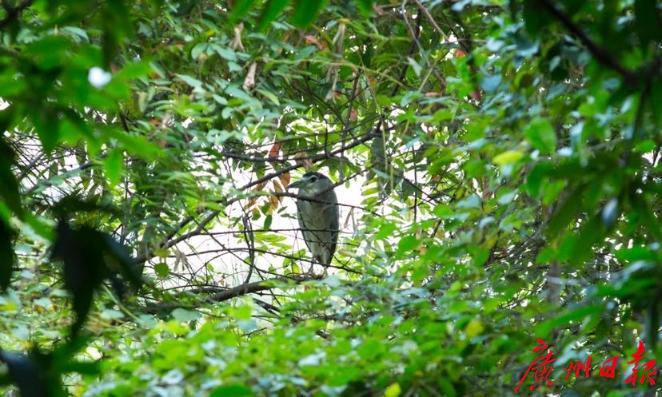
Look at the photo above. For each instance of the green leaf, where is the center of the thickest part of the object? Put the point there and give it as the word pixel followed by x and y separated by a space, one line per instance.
pixel 267 221
pixel 226 53
pixel 270 96
pixel 271 11
pixel 8 184
pixel 535 17
pixel 81 252
pixel 566 213
pixel 365 6
pixel 111 314
pixel 546 255
pixel 541 135
pixel 113 166
pixel 407 243
pixel 6 254
pixel 589 234
pixel 27 375
pixel 637 253
pixel 50 51
pixel 610 212
pixel 646 146
pixel 238 93
pixel 133 71
pixel 46 124
pixel 414 65
pixel 647 22
pixel 193 82
pixel 39 226
pixel 232 391
pixel 474 328
pixel 508 157
pixel 447 387
pixel 240 9
pixel 490 83
pixel 88 257
pixel 184 315
pixel 393 390
pixel 572 315
pixel 305 11
pixel 198 49
pixel 162 270
pixel 10 85
pixel 385 230
pixel 135 144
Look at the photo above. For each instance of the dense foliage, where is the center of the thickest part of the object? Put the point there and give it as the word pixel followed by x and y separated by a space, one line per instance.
pixel 498 169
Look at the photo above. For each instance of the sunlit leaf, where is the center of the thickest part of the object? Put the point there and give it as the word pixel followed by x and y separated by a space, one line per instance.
pixel 508 157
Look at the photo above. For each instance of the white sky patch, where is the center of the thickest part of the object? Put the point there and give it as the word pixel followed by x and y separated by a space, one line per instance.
pixel 98 77
pixel 226 250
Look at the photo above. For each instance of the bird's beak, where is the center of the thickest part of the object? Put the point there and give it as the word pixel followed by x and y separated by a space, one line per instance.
pixel 295 185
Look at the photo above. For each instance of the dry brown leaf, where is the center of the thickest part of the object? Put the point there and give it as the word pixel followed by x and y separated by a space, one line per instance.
pixel 303 160
pixel 284 179
pixel 236 41
pixel 249 81
pixel 275 149
pixel 310 39
pixel 274 201
pixel 258 188
pixel 278 188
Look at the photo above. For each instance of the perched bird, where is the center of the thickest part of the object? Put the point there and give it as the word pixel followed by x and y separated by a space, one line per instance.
pixel 317 210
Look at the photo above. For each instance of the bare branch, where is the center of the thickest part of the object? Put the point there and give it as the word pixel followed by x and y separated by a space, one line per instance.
pixel 234 292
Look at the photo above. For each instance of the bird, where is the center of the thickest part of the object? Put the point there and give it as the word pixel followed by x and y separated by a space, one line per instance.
pixel 318 215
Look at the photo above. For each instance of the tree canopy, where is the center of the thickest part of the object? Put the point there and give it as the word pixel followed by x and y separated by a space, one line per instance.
pixel 497 166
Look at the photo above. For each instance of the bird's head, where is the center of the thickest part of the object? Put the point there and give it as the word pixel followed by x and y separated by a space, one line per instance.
pixel 312 184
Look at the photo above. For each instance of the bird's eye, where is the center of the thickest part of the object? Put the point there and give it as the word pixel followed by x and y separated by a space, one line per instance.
pixel 313 179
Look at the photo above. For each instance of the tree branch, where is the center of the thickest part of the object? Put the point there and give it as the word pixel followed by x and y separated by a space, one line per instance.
pixel 600 54
pixel 230 293
pixel 13 13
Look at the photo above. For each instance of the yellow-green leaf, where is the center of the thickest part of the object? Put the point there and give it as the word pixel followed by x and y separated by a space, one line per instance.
pixel 474 328
pixel 393 390
pixel 509 157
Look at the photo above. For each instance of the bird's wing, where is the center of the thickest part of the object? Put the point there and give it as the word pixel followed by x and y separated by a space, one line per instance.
pixel 305 230
pixel 320 227
pixel 333 213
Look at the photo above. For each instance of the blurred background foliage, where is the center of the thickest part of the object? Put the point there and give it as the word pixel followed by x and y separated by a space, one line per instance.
pixel 502 158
